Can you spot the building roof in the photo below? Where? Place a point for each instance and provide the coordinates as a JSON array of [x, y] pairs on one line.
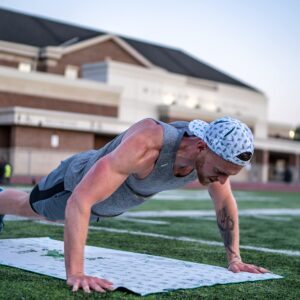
[[40, 32]]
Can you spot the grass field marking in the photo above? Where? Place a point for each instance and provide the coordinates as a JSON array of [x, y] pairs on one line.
[[274, 218], [121, 218], [143, 221], [203, 195], [184, 239], [15, 218], [210, 213]]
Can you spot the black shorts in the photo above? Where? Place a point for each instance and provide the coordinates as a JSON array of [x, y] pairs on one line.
[[50, 203]]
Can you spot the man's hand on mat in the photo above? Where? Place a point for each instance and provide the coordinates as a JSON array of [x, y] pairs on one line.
[[239, 266], [89, 283]]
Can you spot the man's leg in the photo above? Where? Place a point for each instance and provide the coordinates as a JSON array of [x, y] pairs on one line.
[[15, 202]]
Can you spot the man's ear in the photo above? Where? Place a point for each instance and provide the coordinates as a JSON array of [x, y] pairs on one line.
[[201, 145]]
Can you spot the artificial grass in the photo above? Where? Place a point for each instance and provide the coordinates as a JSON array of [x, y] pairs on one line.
[[15, 284], [18, 284], [245, 200], [255, 232]]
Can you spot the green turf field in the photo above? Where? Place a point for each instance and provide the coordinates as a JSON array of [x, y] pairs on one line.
[[279, 231]]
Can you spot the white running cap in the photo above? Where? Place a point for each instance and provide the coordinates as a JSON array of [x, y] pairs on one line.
[[227, 137]]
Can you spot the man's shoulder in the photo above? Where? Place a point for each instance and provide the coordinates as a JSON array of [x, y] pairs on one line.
[[147, 133], [150, 127]]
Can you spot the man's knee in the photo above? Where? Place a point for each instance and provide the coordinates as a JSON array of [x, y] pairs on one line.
[[25, 207]]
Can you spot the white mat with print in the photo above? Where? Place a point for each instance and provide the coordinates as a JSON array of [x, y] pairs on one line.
[[139, 273]]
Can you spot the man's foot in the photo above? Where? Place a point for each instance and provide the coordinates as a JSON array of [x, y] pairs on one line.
[[1, 216]]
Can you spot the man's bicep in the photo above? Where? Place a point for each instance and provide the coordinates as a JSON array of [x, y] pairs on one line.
[[99, 183], [136, 152], [109, 173]]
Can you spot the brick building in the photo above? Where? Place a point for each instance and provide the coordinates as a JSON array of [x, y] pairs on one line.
[[65, 89]]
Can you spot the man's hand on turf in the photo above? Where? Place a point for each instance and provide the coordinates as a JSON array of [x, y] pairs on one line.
[[239, 266], [89, 283]]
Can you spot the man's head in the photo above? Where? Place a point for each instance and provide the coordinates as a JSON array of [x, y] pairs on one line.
[[229, 144]]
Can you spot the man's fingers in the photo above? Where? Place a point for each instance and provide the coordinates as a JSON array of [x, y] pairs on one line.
[[75, 286], [96, 287], [98, 284], [252, 270], [248, 268], [107, 281], [105, 284], [242, 267], [88, 283], [234, 268], [86, 289], [263, 270], [259, 269], [99, 289], [85, 286]]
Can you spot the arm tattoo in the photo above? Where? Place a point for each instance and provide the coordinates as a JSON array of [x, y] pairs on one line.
[[226, 226]]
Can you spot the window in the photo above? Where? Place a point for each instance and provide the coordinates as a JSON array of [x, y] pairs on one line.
[[25, 67], [71, 71], [54, 140]]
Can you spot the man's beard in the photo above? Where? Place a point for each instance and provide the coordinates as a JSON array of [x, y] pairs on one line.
[[199, 164]]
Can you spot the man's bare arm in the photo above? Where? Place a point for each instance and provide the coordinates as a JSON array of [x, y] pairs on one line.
[[77, 220], [138, 150], [228, 223]]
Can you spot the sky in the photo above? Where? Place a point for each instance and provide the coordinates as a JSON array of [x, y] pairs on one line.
[[257, 42]]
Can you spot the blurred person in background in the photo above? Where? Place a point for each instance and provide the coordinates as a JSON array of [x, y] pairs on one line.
[[7, 173]]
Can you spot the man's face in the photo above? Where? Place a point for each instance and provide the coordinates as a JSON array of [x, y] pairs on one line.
[[211, 168]]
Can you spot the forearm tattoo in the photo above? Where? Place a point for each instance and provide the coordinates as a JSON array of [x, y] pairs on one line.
[[226, 227]]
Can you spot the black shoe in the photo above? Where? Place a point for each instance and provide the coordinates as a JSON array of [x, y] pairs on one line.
[[1, 216]]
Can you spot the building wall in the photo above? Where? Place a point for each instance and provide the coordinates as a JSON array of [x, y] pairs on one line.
[[5, 136], [40, 138], [33, 163], [11, 59], [8, 63], [277, 130], [31, 152], [146, 89], [14, 99], [5, 141], [102, 140], [142, 90], [96, 53]]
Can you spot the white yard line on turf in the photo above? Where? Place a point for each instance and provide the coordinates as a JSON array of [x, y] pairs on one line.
[[274, 218], [192, 213], [203, 195], [143, 221], [184, 239], [15, 218], [210, 213], [139, 220]]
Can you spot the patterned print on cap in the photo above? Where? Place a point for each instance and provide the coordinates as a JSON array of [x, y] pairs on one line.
[[227, 137]]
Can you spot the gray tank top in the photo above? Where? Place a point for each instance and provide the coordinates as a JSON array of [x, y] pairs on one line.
[[133, 191]]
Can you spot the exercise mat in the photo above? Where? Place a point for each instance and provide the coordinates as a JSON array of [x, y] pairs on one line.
[[140, 273]]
